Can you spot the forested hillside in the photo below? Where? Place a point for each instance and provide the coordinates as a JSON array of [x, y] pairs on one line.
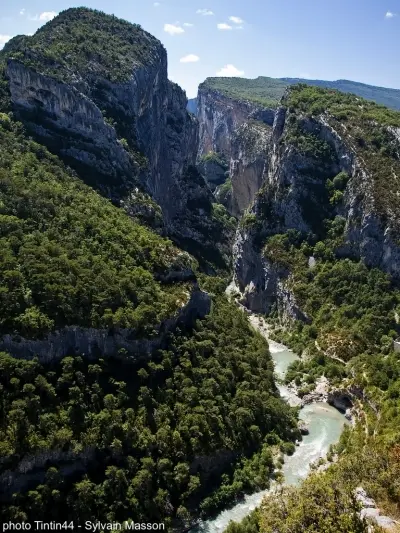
[[131, 388], [331, 291], [150, 446], [94, 90], [68, 256]]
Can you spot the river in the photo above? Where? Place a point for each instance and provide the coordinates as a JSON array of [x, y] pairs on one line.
[[324, 422]]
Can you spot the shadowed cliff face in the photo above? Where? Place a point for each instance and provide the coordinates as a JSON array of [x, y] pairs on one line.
[[124, 128], [93, 343], [116, 134], [249, 163]]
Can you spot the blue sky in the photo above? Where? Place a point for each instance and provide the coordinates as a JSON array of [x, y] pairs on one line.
[[325, 39]]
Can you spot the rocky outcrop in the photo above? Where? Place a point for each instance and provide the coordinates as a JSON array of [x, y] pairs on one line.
[[249, 164], [219, 116], [304, 153], [214, 170], [371, 513], [31, 471], [239, 132], [64, 116], [93, 343], [264, 285], [127, 138], [303, 428], [342, 400], [64, 111]]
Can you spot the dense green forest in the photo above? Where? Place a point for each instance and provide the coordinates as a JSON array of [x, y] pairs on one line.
[[181, 431], [264, 91], [209, 394], [381, 95], [86, 37], [368, 130], [69, 257], [190, 427]]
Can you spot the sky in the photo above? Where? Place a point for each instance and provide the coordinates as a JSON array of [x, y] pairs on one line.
[[318, 39]]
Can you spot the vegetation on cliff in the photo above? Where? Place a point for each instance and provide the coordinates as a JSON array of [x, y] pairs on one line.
[[350, 315], [269, 91], [191, 426], [132, 155], [69, 257], [327, 501], [87, 43], [369, 131], [158, 437], [265, 92], [381, 95], [195, 426], [351, 308]]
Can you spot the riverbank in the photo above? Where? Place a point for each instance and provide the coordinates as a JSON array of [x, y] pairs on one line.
[[324, 423]]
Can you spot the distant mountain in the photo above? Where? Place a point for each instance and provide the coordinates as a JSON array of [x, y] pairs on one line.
[[261, 90], [268, 91], [381, 95]]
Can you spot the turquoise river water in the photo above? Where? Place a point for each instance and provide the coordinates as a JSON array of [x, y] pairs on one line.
[[325, 424]]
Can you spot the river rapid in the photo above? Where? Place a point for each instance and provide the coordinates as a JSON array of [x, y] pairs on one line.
[[325, 425]]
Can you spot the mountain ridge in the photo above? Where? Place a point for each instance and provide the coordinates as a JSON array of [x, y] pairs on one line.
[[267, 91], [64, 86]]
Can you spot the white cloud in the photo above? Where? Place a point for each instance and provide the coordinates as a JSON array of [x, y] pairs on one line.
[[173, 29], [204, 12], [4, 39], [188, 24], [22, 12], [230, 71], [390, 15], [46, 16], [224, 26], [236, 20], [190, 58]]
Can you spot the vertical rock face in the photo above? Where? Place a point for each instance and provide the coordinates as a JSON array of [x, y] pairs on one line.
[[214, 169], [219, 116], [73, 122], [249, 163], [304, 153], [237, 131], [116, 119]]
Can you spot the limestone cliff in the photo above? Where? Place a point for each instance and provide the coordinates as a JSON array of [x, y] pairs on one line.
[[214, 169], [112, 115], [119, 343], [237, 131], [249, 163], [321, 168], [219, 116]]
